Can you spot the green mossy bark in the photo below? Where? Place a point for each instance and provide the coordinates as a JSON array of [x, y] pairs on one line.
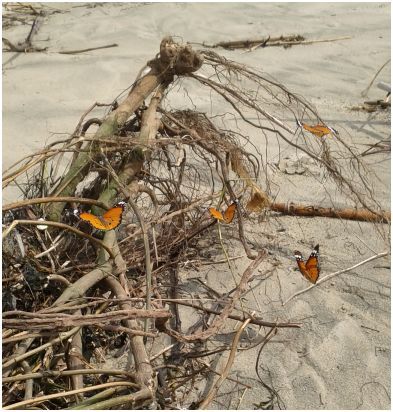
[[78, 169]]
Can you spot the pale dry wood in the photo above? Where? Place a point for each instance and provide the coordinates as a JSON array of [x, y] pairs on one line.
[[210, 396], [58, 225], [365, 215], [40, 399]]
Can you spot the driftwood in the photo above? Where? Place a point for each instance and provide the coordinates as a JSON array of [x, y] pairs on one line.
[[283, 41], [60, 321], [347, 213], [372, 106], [108, 46]]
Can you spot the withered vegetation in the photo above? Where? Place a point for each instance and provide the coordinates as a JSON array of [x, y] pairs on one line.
[[72, 294]]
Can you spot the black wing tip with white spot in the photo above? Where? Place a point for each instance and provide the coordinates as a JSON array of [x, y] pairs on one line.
[[298, 255], [122, 204]]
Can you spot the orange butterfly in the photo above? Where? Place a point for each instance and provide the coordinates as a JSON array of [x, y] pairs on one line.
[[108, 221], [228, 215], [318, 130], [310, 269]]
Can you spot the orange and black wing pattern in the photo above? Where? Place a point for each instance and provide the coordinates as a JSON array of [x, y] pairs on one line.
[[309, 269], [111, 219], [228, 215], [318, 130]]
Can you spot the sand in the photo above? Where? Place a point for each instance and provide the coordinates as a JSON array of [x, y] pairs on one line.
[[340, 358]]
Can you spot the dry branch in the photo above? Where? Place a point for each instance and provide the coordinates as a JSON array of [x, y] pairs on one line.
[[68, 199], [56, 374], [253, 320], [41, 399], [219, 322], [285, 41], [87, 50], [61, 321], [58, 225], [62, 337], [347, 213], [212, 393], [144, 371]]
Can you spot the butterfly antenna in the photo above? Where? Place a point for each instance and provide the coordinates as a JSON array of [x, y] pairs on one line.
[[334, 131], [298, 122]]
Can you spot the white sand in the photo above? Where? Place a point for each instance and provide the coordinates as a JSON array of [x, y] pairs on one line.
[[340, 358]]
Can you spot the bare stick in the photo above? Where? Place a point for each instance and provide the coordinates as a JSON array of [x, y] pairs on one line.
[[51, 199], [90, 49], [290, 208], [210, 396], [219, 322], [126, 401], [39, 399], [269, 42], [331, 275], [56, 374], [253, 320], [49, 321], [62, 336]]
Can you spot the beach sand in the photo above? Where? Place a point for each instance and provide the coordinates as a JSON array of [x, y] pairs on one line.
[[340, 357]]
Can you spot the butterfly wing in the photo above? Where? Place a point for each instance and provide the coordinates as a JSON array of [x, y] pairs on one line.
[[113, 216], [312, 265], [322, 130], [108, 221], [318, 130], [95, 221], [216, 213], [301, 265], [230, 213]]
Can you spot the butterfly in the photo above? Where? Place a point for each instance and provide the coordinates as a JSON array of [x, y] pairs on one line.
[[228, 215], [309, 269], [318, 130], [108, 221]]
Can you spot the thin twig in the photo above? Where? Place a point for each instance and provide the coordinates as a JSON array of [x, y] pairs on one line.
[[51, 199], [62, 320], [254, 320], [365, 91], [61, 226], [87, 50], [219, 321], [40, 399], [210, 396], [122, 401], [56, 374], [266, 339], [62, 336]]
